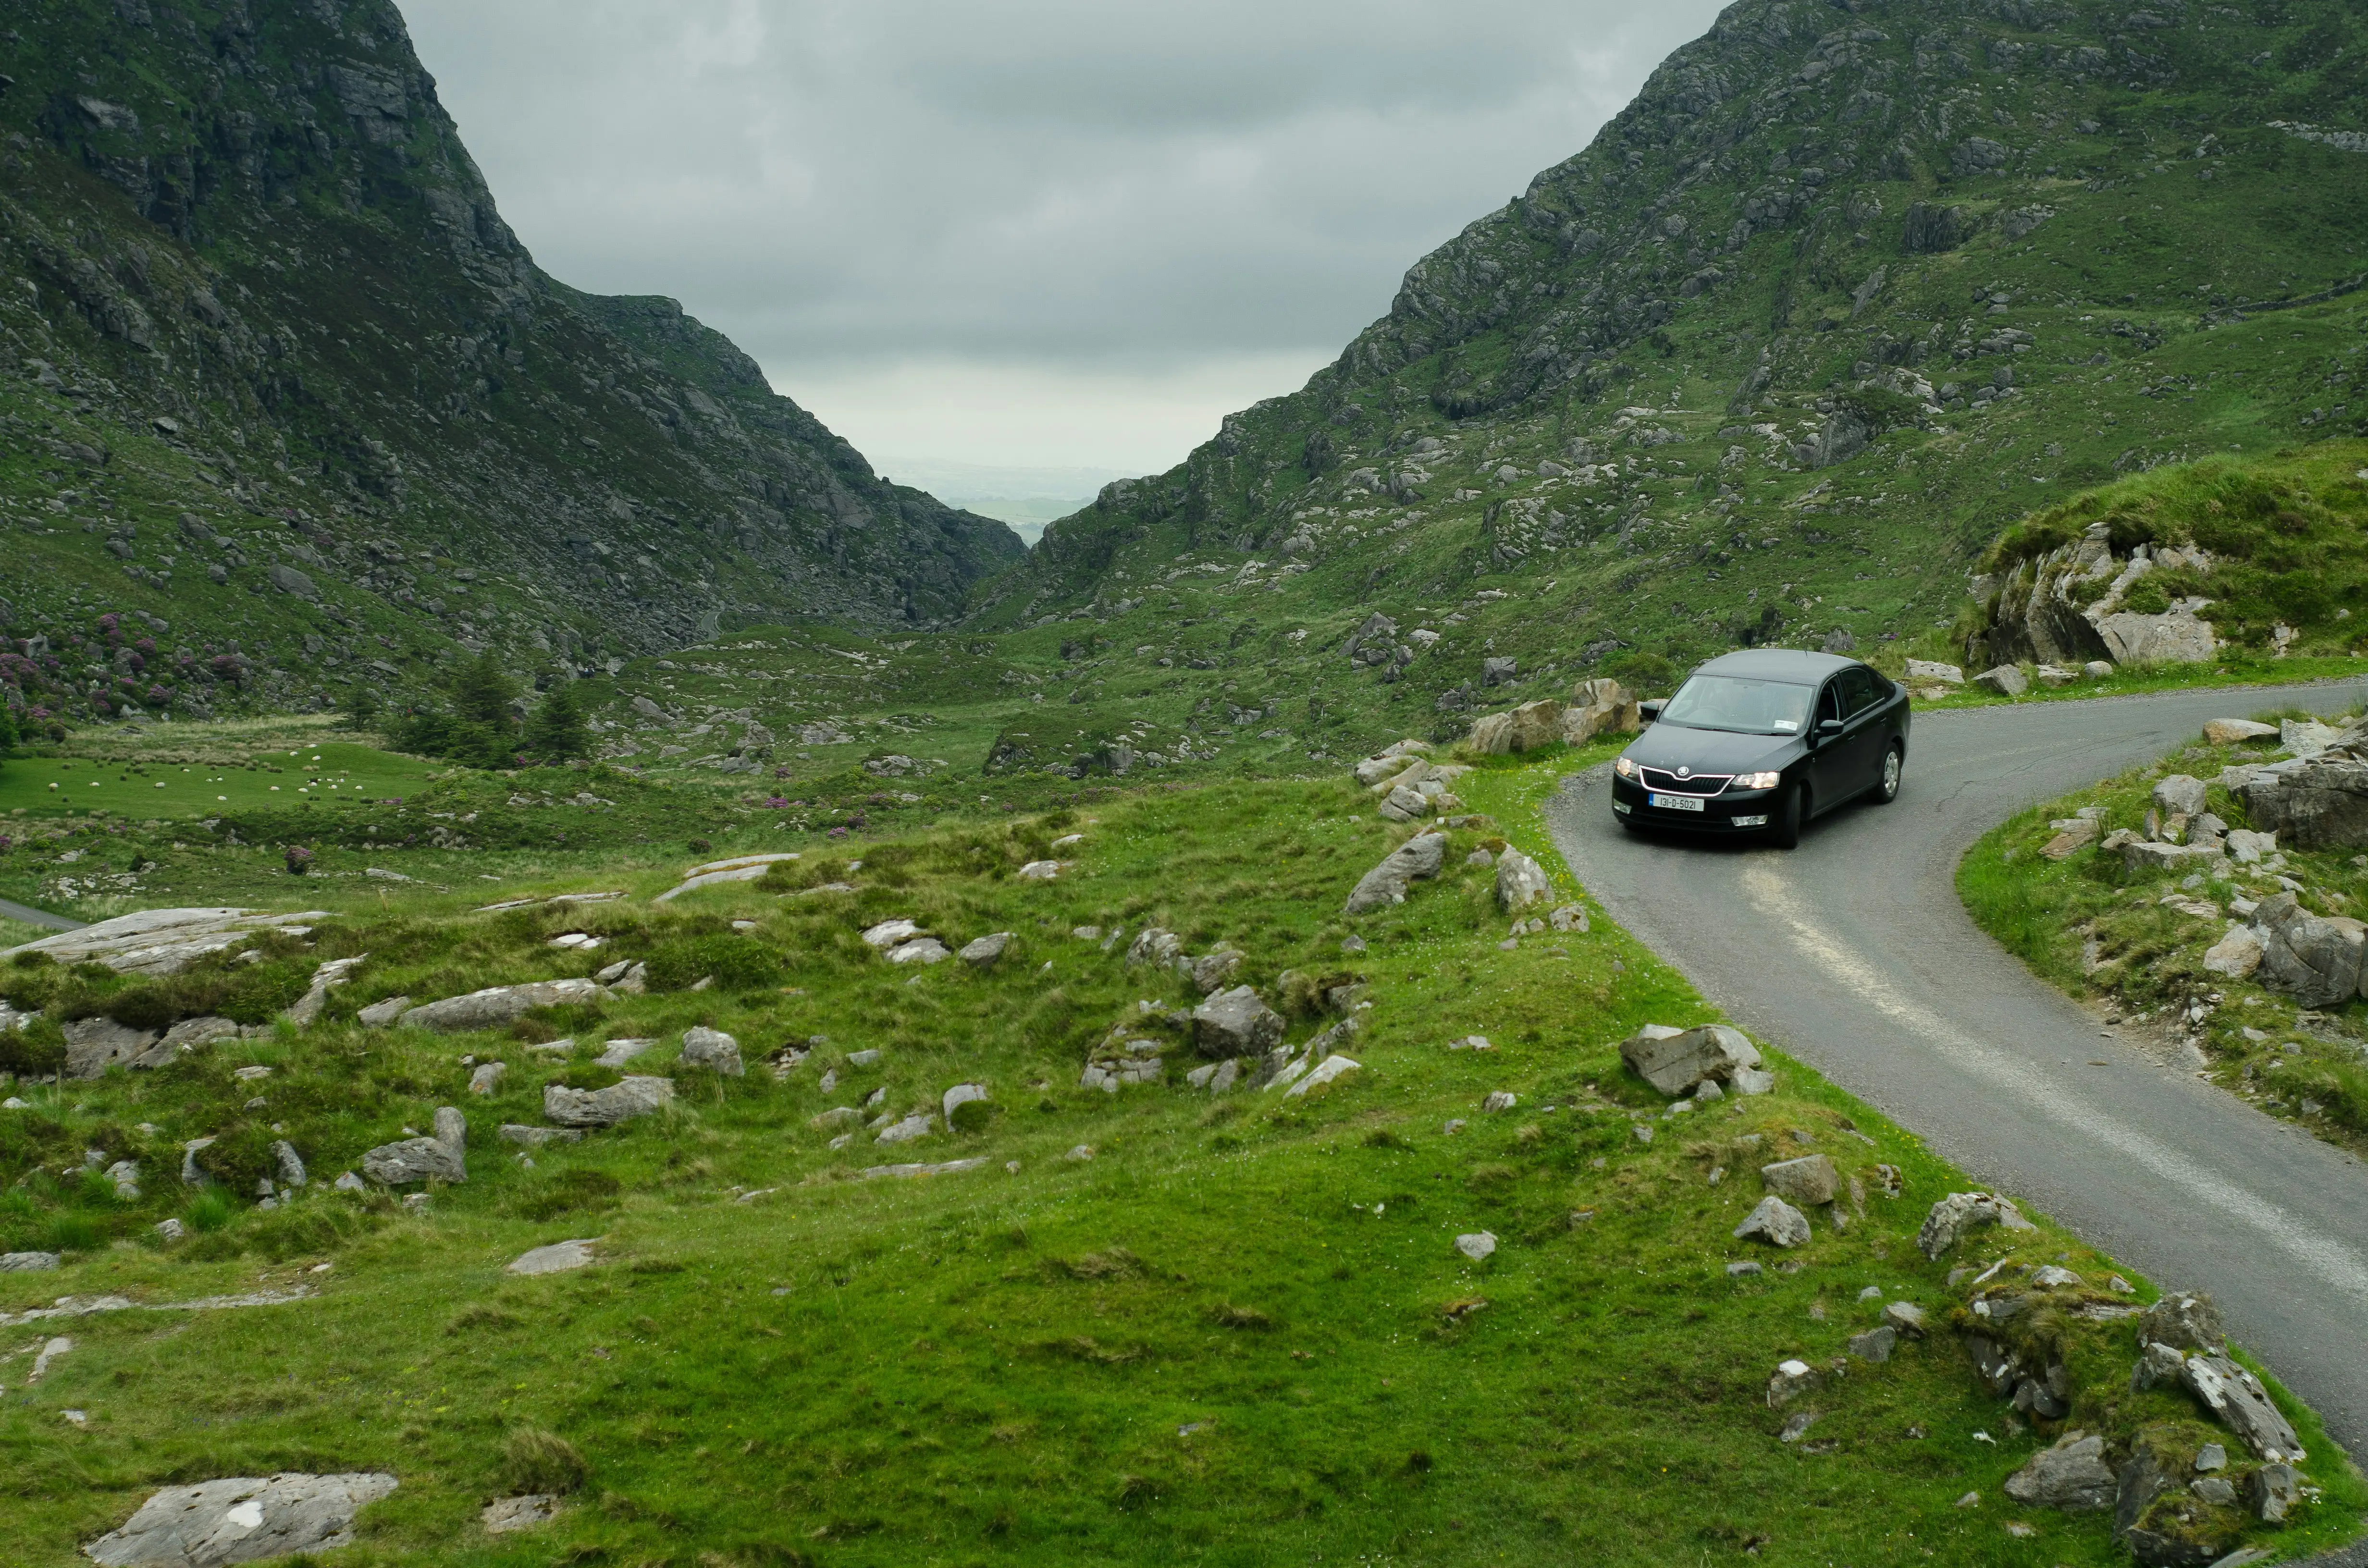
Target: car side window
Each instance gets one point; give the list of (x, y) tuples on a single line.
[(1860, 693), (1829, 705)]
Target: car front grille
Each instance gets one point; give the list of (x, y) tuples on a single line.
[(1667, 783)]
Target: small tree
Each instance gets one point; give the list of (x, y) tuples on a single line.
[(556, 732), (483, 692), (361, 706)]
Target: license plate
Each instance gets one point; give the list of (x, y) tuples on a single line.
[(1674, 803)]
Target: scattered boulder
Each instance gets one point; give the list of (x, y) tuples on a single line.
[(2179, 795), (712, 1049), (1235, 1023), (379, 1015), (1905, 1316), (2158, 1365), (163, 941), (2072, 1476), (2316, 959), (2235, 732), (1155, 946), (1331, 1069), (1418, 859), (240, 1520), (889, 934), (2236, 1399), (1775, 1220), (536, 1137), (498, 1004), (1211, 972), (93, 1045), (952, 1102), (1492, 735), (983, 952), (506, 1515), (1925, 672), (27, 1262), (1478, 1245), (2274, 1490), (2236, 955), (1807, 1181), (1600, 707), (2184, 1319), (1521, 882), (1960, 1214), (1793, 1379), (2319, 802), (1674, 1060), (920, 1124), (1040, 870), (605, 1108), (920, 949), (487, 1077), (1536, 724), (1875, 1343), (557, 1259), (440, 1158), (2006, 680)]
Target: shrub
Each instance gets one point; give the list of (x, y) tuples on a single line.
[(36, 1051), (737, 962), (536, 1461), (71, 1232), (210, 1211)]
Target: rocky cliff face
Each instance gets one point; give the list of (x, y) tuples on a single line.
[(254, 277), (1882, 242)]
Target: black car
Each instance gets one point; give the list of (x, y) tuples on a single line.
[(1759, 741)]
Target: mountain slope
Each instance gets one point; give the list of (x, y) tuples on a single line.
[(1845, 291), (254, 277)]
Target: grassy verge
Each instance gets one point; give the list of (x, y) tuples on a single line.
[(2131, 680), (2087, 925), (1239, 1331)]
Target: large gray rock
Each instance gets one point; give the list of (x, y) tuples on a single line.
[(2178, 796), (605, 1108), (704, 1047), (2314, 959), (1807, 1181), (498, 1004), (559, 1257), (2072, 1476), (2322, 804), (1521, 882), (240, 1520), (1962, 1213), (1418, 859), (415, 1159), (1775, 1220), (1210, 972), (2176, 637), (2184, 1319), (983, 952), (93, 1045), (163, 941), (2006, 680), (1235, 1023), (1675, 1061), (27, 1262), (2240, 1401)]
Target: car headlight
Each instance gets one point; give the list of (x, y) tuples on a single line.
[(1758, 781), (1625, 769)]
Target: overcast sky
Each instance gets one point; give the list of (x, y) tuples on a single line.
[(1057, 233)]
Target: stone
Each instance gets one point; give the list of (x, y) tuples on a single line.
[(1418, 859), (415, 1159), (2249, 848), (605, 1107), (1961, 1214), (1040, 870), (536, 1137), (1155, 946), (195, 1034), (1478, 1245), (170, 1230), (2320, 805), (2316, 959), (1875, 1343), (983, 952), (2236, 1399), (1521, 882), (714, 1050), (921, 950), (162, 941), (287, 1165), (1752, 1081), (617, 1053), (1674, 1060), (2158, 1365), (379, 1015), (348, 1182), (2051, 676), (1807, 1181), (1492, 735), (2274, 1490), (556, 1258), (93, 1045), (27, 1262), (1905, 1316), (2216, 1490), (1924, 671), (1331, 1069), (1743, 1270), (505, 1515), (2049, 1277), (487, 1077), (1569, 917), (2237, 732), (889, 934), (1792, 1380), (2176, 637), (452, 1128), (2076, 834), (1600, 707), (960, 1094), (497, 1005), (2179, 795), (2209, 1458), (240, 1520), (1210, 973), (2145, 856), (2236, 955), (2006, 680), (1536, 724), (1775, 1220), (1235, 1023), (2184, 1319), (920, 1124), (2072, 1476), (1500, 1100)]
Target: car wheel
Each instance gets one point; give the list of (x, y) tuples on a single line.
[(1886, 788), (1784, 829)]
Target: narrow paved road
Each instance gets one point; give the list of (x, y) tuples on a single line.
[(1853, 954), (10, 909)]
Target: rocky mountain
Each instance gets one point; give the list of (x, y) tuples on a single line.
[(280, 382), (1851, 286)]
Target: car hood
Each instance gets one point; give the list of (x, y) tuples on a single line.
[(1712, 751)]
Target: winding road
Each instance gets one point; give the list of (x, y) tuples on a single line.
[(1854, 954), (10, 909)]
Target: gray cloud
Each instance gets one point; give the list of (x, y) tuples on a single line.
[(1037, 195)]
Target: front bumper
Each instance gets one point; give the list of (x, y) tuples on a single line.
[(1733, 811)]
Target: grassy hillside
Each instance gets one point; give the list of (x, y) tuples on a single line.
[(1239, 1328)]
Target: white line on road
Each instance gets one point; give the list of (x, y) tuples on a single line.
[(2330, 1260)]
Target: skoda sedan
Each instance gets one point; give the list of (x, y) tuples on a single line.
[(1761, 741)]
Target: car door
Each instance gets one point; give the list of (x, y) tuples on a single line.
[(1831, 768), (1864, 734)]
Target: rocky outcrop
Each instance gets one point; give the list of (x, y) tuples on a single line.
[(605, 1107), (240, 1520), (164, 941), (1676, 1062), (1235, 1023), (1962, 1213), (1417, 859), (712, 1049), (2071, 1475), (2319, 800), (2066, 607), (498, 1004), (2316, 959)]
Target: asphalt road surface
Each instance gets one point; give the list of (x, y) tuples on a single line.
[(1853, 954), (31, 916)]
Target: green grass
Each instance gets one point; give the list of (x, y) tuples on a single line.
[(2311, 1070), (329, 771), (1239, 1332)]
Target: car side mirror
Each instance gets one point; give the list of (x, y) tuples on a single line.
[(1649, 713), (1828, 728)]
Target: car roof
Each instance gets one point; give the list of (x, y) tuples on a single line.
[(1777, 664)]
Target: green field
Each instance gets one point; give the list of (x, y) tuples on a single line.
[(332, 772)]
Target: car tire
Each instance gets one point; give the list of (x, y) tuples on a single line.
[(1887, 786), (1784, 828)]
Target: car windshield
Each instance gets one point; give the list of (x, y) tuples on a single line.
[(1747, 707)]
